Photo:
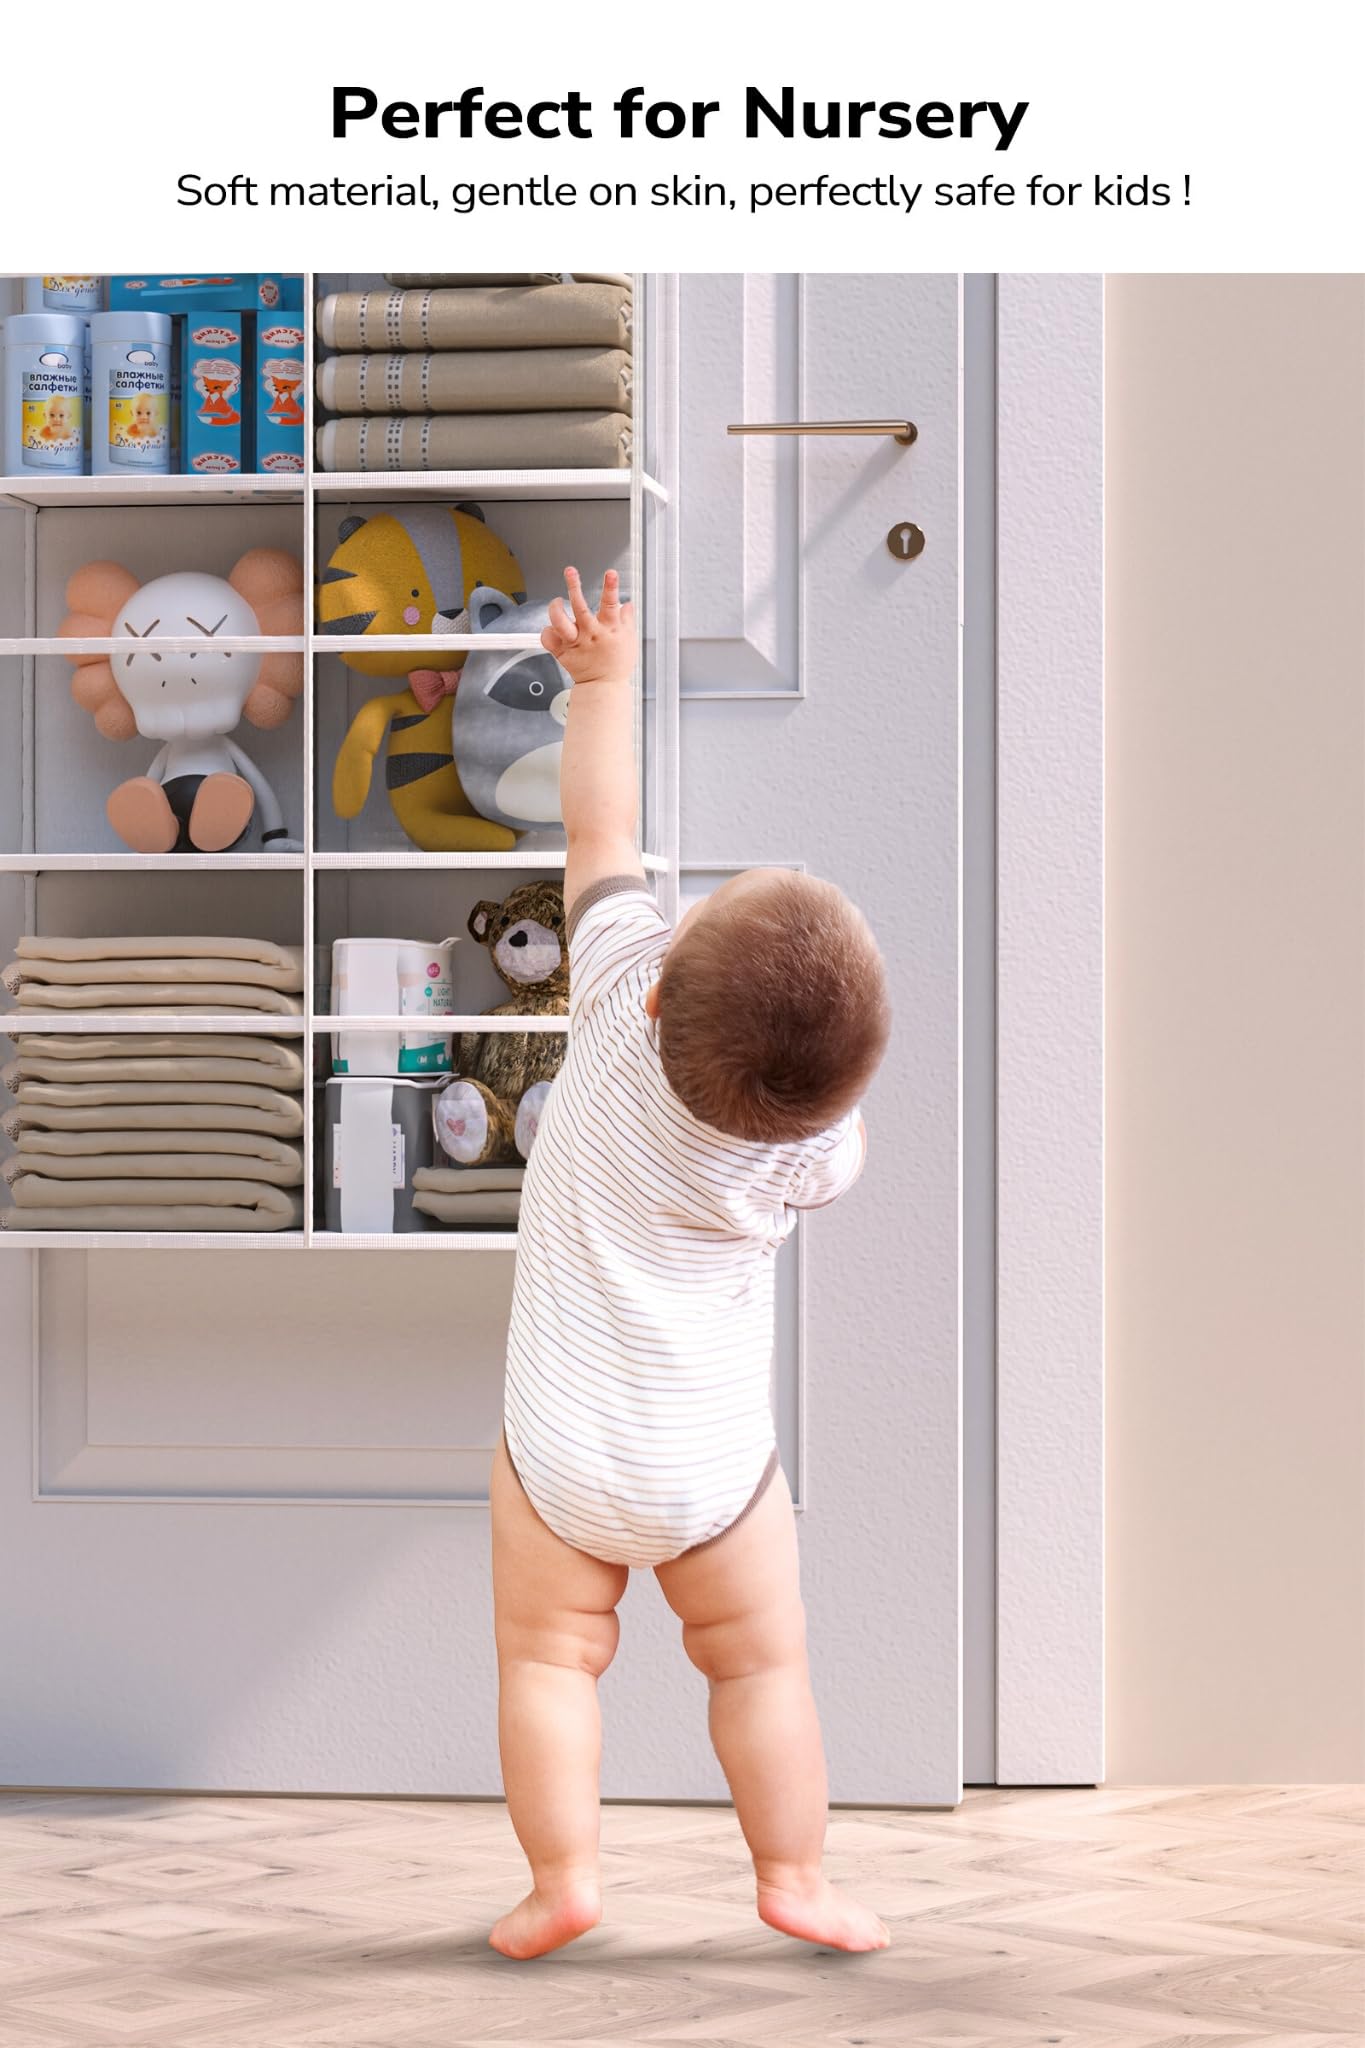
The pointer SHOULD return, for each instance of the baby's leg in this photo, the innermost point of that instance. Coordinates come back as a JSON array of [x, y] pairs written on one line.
[[744, 1628], [555, 1617]]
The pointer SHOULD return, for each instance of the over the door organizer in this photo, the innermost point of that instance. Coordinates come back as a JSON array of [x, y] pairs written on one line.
[[281, 864]]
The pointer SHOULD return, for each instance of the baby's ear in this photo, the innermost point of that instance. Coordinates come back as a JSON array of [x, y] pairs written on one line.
[[480, 918]]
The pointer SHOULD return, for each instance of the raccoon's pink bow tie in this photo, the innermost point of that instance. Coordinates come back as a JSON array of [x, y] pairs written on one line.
[[429, 685]]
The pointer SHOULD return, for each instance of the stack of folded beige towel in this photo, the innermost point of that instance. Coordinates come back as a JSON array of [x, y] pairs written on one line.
[[140, 1131], [163, 977], [519, 370], [466, 1196]]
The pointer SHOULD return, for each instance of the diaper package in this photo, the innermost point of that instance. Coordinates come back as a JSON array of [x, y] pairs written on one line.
[[376, 1134], [279, 393], [212, 439]]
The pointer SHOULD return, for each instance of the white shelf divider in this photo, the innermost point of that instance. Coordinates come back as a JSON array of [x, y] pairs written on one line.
[[442, 1026], [423, 643], [310, 836], [411, 857], [168, 643], [114, 491], [397, 484], [415, 1241], [143, 863], [20, 1023], [152, 1240]]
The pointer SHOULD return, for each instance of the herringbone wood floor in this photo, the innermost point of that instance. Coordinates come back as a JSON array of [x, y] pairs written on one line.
[[1194, 1918]]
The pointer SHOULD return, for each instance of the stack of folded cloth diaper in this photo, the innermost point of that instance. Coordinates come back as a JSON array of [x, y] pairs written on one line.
[[162, 977], [466, 1196], [144, 1131], [518, 370], [138, 1132]]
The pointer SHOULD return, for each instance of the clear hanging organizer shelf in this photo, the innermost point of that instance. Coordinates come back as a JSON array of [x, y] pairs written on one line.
[[61, 870]]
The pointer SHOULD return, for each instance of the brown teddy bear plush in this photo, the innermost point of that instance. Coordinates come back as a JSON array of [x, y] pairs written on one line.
[[488, 1115]]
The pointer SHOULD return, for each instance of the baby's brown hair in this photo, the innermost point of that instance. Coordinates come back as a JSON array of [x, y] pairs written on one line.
[[773, 1010]]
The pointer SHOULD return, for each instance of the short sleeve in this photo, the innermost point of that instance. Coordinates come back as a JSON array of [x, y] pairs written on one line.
[[615, 926], [831, 1164]]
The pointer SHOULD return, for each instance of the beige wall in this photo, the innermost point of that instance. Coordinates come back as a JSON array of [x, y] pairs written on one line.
[[1235, 500]]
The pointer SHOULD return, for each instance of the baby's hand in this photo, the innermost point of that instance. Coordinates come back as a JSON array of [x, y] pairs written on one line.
[[592, 647]]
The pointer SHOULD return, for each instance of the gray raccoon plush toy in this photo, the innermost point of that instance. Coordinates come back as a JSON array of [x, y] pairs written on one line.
[[507, 731]]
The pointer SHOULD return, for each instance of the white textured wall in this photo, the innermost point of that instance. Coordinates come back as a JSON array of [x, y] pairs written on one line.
[[1236, 1049]]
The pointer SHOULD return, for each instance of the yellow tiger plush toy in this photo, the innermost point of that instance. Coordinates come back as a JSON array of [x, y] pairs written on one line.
[[412, 572]]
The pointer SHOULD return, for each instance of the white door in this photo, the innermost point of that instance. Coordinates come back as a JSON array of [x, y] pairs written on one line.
[[282, 1587]]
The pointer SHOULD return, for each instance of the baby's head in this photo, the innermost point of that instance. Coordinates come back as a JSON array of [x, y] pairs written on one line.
[[772, 1007]]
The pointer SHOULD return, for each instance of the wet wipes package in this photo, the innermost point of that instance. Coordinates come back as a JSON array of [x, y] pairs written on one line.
[[279, 392], [130, 393], [212, 439], [44, 425]]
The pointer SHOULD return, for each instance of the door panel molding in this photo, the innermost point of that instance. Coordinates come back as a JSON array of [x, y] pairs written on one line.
[[741, 514], [115, 1420], [1050, 1025]]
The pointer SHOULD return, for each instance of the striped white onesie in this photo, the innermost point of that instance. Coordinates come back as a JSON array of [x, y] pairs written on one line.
[[637, 1412]]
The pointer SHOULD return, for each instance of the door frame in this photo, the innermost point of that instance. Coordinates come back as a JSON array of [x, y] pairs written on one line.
[[1049, 1029]]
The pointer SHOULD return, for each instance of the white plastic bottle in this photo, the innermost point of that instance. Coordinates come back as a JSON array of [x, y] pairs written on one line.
[[44, 394], [130, 383]]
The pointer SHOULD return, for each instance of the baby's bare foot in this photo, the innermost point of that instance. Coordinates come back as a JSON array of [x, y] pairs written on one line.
[[547, 1920], [820, 1912]]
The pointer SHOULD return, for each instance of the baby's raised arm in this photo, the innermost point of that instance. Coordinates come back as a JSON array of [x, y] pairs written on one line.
[[598, 777]]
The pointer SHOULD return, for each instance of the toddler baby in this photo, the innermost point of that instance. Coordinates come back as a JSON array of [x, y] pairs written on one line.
[[709, 1091]]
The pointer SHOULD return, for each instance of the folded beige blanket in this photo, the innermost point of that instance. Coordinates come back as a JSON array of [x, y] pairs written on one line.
[[158, 947], [34, 1067], [407, 281], [192, 969], [284, 1060], [469, 1210], [478, 380], [97, 1172], [479, 316], [279, 1116], [487, 440], [42, 1204], [156, 998], [98, 1095], [468, 1195], [455, 1180], [97, 1147]]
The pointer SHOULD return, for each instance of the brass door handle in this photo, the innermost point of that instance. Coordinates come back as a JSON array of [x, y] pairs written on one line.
[[904, 431]]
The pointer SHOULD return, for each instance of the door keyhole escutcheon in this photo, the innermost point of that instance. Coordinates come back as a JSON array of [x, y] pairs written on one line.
[[905, 541]]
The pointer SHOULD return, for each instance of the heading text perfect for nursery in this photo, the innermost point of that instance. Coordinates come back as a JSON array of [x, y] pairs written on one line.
[[778, 113]]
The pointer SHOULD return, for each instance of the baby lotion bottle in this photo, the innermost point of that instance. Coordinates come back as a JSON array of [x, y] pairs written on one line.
[[131, 394], [44, 379]]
